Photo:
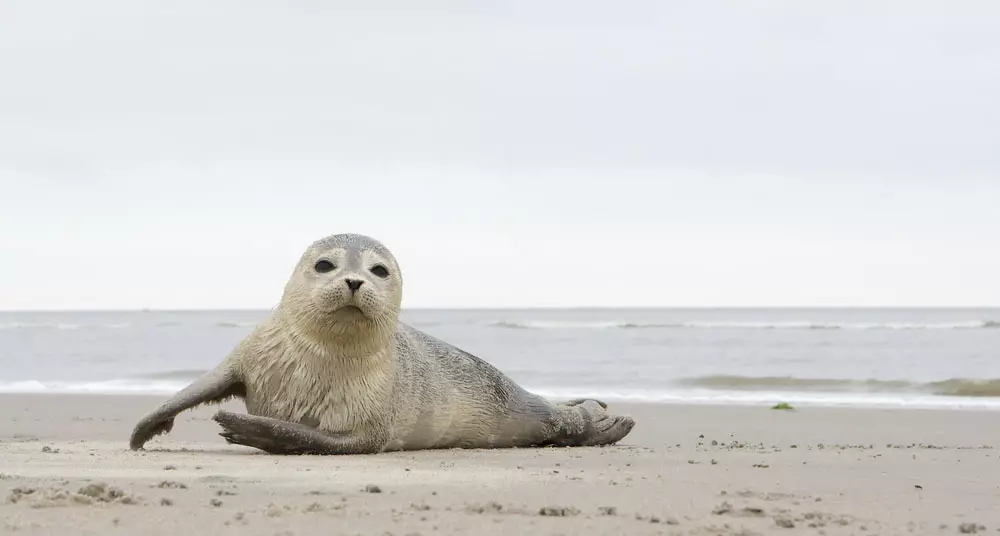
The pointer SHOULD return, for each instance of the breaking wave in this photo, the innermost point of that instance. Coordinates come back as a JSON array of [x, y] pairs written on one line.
[[952, 387], [768, 398], [158, 383], [108, 387], [733, 390], [796, 325]]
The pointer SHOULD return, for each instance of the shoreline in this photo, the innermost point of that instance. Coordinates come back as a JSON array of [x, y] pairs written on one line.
[[684, 469], [755, 399], [121, 411]]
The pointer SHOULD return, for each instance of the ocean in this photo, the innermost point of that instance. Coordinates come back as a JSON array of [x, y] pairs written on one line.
[[920, 358]]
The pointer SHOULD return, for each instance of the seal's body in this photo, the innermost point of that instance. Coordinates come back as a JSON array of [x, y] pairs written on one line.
[[332, 371]]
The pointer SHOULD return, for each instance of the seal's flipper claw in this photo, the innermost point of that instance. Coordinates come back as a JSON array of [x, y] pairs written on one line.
[[149, 427]]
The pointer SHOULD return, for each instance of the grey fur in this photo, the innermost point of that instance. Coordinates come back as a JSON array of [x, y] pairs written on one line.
[[332, 371]]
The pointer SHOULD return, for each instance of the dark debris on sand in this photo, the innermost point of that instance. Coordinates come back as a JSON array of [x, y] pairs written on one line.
[[558, 511], [91, 493]]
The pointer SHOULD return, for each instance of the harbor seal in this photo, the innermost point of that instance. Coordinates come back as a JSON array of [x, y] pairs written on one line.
[[333, 371]]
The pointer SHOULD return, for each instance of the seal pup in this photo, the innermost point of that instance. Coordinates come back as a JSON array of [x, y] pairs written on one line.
[[332, 371]]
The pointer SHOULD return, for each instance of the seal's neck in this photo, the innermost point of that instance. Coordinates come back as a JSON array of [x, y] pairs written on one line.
[[347, 339]]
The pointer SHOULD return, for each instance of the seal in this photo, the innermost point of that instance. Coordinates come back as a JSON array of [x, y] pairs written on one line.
[[333, 371]]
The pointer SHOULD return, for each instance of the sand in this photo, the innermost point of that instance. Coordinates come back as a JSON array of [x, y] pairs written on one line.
[[65, 469]]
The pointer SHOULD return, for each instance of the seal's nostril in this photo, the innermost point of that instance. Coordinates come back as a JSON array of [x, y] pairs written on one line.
[[353, 284]]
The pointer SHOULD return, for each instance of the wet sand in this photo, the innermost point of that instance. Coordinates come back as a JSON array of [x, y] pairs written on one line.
[[65, 468]]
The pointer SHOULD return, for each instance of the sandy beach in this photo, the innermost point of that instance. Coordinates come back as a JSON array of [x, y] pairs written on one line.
[[65, 469]]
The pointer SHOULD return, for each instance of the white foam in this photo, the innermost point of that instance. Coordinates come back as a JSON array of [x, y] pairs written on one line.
[[672, 396], [697, 396], [110, 387]]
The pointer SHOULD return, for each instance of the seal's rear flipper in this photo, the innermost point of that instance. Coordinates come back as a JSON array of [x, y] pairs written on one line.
[[585, 423]]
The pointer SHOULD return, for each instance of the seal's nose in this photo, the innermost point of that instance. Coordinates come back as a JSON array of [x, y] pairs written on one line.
[[353, 284]]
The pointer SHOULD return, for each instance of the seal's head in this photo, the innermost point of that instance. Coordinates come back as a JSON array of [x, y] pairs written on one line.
[[345, 287]]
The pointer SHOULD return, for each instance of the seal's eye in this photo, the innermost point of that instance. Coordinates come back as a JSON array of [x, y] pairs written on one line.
[[380, 271], [324, 266]]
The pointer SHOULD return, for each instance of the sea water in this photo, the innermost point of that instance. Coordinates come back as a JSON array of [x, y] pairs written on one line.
[[948, 358]]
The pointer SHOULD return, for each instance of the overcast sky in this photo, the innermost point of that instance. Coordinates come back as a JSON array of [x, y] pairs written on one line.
[[520, 153]]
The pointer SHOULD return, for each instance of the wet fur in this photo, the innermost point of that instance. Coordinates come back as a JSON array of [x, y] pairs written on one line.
[[328, 373]]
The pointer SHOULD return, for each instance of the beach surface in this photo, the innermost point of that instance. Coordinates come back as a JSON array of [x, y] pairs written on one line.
[[65, 468]]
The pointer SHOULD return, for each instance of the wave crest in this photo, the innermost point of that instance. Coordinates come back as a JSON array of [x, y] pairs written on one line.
[[62, 326], [182, 374], [230, 324]]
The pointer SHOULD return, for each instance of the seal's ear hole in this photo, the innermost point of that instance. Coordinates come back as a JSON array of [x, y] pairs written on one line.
[[380, 271], [324, 266]]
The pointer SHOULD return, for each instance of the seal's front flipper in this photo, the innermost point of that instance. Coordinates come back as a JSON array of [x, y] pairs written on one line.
[[215, 386], [282, 437]]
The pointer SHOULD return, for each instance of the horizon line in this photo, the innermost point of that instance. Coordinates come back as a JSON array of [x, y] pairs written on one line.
[[521, 308]]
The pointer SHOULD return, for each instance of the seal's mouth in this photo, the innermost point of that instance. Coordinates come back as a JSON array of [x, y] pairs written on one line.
[[349, 310]]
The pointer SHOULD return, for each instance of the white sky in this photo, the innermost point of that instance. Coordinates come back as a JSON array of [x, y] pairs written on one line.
[[520, 153]]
